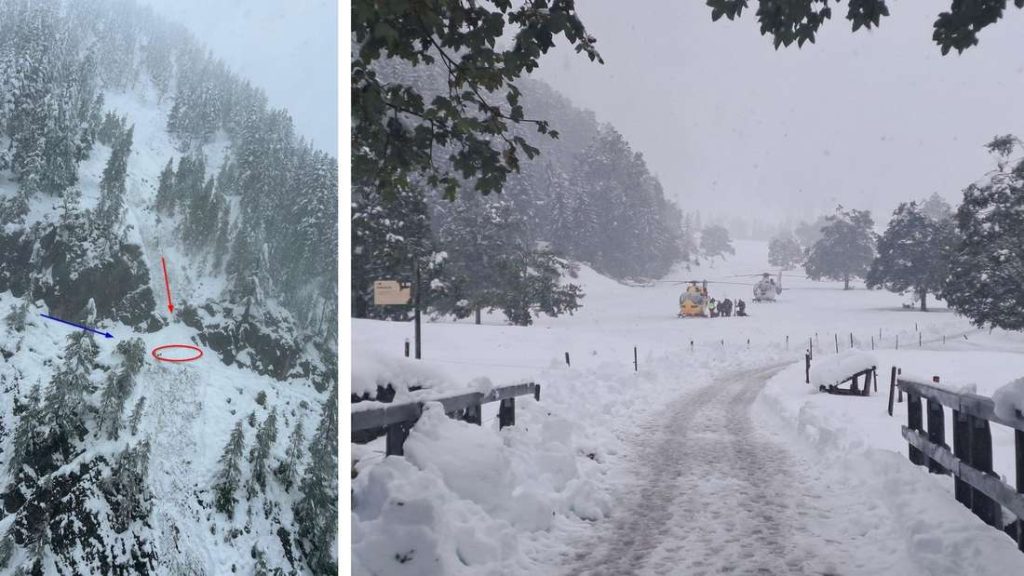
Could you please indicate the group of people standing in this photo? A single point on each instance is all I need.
(725, 308)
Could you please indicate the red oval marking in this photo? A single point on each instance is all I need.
(198, 355)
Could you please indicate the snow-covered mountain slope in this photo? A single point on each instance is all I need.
(111, 460)
(562, 491)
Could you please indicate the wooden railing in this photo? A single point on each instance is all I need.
(976, 486)
(398, 419)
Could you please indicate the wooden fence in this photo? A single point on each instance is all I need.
(397, 419)
(976, 486)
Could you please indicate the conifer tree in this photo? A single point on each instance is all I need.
(288, 469)
(846, 248)
(16, 318)
(125, 488)
(316, 511)
(120, 385)
(165, 199)
(913, 253)
(112, 185)
(136, 417)
(230, 475)
(784, 251)
(985, 283)
(259, 455)
(25, 432)
(65, 409)
(715, 241)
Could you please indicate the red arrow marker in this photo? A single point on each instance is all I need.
(167, 284)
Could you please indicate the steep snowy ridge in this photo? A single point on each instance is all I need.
(120, 463)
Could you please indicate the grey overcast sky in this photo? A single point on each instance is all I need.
(730, 125)
(287, 47)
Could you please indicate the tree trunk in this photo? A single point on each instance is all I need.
(477, 315)
(846, 282)
(924, 300)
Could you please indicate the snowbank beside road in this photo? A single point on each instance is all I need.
(469, 499)
(856, 436)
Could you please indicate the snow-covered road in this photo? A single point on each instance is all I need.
(715, 492)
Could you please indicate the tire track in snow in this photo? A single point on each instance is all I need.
(714, 494)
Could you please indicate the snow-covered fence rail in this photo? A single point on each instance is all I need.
(398, 419)
(976, 486)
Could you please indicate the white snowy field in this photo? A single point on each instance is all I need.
(725, 471)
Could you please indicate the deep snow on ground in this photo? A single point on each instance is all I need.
(802, 476)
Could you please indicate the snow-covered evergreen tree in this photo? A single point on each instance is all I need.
(136, 417)
(985, 282)
(125, 488)
(112, 186)
(846, 247)
(65, 408)
(316, 512)
(259, 455)
(16, 318)
(715, 242)
(784, 251)
(25, 433)
(288, 469)
(119, 386)
(914, 253)
(229, 476)
(165, 193)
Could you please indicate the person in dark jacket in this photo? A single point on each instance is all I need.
(741, 308)
(725, 308)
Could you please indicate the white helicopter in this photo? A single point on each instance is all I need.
(767, 288)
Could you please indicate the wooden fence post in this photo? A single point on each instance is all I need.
(507, 413)
(636, 367)
(810, 348)
(914, 423)
(962, 450)
(807, 367)
(787, 342)
(472, 415)
(936, 433)
(897, 341)
(1018, 443)
(872, 341)
(892, 389)
(567, 360)
(851, 339)
(918, 339)
(406, 347)
(395, 441)
(837, 343)
(981, 458)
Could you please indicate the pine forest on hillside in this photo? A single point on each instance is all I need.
(125, 146)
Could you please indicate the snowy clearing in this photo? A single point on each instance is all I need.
(710, 458)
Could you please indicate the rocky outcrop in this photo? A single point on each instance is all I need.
(261, 338)
(39, 263)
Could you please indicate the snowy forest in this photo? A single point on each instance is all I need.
(124, 146)
(588, 197)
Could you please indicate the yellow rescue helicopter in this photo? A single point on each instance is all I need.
(694, 301)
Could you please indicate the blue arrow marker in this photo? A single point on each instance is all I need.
(86, 328)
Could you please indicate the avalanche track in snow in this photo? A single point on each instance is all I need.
(714, 493)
